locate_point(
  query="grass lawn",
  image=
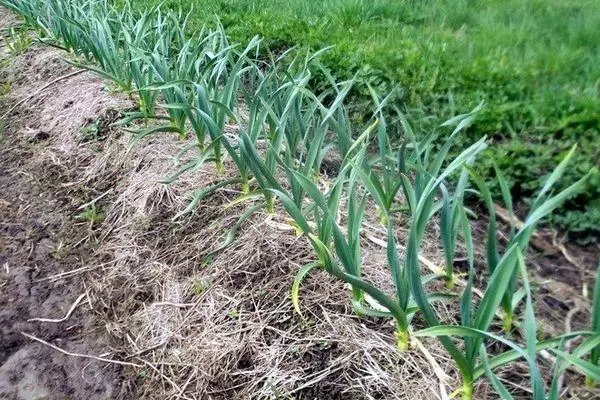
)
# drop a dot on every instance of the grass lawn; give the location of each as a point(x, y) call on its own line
point(536, 64)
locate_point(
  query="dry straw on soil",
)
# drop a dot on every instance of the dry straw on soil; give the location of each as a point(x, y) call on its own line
point(223, 325)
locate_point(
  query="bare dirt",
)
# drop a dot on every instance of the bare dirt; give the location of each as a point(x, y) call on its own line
point(84, 221)
point(42, 235)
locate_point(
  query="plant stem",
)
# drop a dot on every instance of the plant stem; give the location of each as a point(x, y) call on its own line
point(383, 218)
point(357, 301)
point(245, 187)
point(357, 295)
point(450, 280)
point(270, 204)
point(467, 389)
point(507, 322)
point(219, 166)
point(402, 339)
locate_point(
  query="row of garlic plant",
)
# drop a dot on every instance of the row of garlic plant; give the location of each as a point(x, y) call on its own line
point(198, 83)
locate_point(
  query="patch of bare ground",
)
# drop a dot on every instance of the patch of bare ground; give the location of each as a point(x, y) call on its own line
point(86, 225)
point(41, 235)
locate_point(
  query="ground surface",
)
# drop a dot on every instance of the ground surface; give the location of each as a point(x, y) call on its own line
point(536, 64)
point(41, 238)
point(37, 226)
point(84, 222)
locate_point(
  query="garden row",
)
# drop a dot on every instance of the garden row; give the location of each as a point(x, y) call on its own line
point(197, 86)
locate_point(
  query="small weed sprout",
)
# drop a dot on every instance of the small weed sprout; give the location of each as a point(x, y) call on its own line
point(92, 215)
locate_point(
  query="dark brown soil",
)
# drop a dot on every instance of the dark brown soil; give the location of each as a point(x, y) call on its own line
point(41, 236)
point(562, 274)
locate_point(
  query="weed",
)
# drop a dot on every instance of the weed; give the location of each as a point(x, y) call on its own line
point(92, 215)
point(89, 132)
point(17, 40)
point(199, 286)
point(5, 88)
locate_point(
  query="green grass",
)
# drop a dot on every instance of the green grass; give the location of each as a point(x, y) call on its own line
point(536, 64)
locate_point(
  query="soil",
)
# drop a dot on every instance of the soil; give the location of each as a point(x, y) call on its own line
point(562, 273)
point(40, 237)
